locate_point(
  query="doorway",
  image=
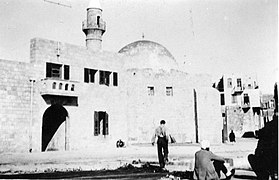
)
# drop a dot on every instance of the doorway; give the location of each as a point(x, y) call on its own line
point(54, 128)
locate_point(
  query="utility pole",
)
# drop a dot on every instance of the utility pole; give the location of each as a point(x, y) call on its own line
point(192, 23)
point(196, 116)
point(58, 3)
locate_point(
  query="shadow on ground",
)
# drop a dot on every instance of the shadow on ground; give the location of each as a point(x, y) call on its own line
point(128, 171)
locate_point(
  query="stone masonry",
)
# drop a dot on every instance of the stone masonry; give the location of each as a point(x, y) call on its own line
point(71, 98)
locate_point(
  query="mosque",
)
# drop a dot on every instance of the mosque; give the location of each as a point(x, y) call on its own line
point(72, 97)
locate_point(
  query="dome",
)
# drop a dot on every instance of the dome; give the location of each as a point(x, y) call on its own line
point(148, 54)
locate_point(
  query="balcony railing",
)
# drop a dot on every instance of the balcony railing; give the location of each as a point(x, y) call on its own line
point(236, 90)
point(101, 25)
point(245, 105)
point(58, 87)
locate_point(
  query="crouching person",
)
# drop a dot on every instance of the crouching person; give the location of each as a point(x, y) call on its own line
point(209, 165)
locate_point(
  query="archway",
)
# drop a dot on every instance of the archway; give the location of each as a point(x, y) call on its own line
point(53, 117)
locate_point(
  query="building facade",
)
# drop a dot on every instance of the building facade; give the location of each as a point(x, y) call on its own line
point(240, 98)
point(71, 97)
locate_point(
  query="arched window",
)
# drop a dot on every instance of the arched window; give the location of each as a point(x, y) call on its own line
point(66, 86)
point(98, 21)
point(54, 85)
point(73, 87)
point(60, 85)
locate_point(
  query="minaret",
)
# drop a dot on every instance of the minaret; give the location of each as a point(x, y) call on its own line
point(94, 26)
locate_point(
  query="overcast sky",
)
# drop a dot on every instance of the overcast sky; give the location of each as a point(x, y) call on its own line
point(205, 36)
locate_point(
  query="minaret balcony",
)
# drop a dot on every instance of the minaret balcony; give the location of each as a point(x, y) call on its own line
point(51, 86)
point(100, 26)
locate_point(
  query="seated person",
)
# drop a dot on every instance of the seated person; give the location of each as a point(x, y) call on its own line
point(205, 168)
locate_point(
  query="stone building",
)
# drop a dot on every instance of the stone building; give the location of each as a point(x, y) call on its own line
point(268, 107)
point(70, 97)
point(240, 98)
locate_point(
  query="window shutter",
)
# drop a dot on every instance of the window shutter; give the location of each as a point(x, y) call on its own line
point(115, 79)
point(66, 72)
point(96, 124)
point(106, 124)
point(107, 78)
point(102, 77)
point(48, 70)
point(92, 75)
point(86, 75)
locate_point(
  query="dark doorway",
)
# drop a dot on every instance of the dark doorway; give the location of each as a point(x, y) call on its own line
point(53, 117)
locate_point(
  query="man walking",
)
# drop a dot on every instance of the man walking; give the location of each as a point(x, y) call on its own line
point(162, 143)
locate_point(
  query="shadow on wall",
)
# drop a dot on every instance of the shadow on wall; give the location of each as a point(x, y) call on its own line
point(53, 117)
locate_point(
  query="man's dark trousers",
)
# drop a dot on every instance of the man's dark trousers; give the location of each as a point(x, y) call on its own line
point(219, 166)
point(162, 146)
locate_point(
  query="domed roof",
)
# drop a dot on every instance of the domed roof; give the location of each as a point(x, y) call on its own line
point(148, 54)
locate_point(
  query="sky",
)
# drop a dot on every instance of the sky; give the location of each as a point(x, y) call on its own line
point(205, 36)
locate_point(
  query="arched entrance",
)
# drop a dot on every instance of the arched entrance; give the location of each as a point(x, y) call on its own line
point(54, 128)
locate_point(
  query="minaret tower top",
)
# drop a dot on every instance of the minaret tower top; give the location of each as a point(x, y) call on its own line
point(94, 26)
point(94, 4)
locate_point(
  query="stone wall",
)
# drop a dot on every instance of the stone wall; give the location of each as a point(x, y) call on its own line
point(91, 96)
point(14, 106)
point(145, 112)
point(241, 120)
point(209, 115)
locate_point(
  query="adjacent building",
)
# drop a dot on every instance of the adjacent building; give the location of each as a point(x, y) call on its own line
point(268, 107)
point(240, 98)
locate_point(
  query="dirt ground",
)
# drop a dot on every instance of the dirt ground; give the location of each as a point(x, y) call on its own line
point(146, 171)
point(133, 162)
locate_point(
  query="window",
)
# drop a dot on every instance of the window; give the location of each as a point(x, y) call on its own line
point(89, 75)
point(54, 85)
point(60, 85)
point(66, 72)
point(271, 103)
point(169, 91)
point(234, 99)
point(104, 77)
point(246, 99)
point(229, 82)
point(100, 123)
point(72, 87)
point(222, 98)
point(98, 21)
point(53, 70)
point(66, 87)
point(56, 71)
point(150, 91)
point(238, 82)
point(115, 79)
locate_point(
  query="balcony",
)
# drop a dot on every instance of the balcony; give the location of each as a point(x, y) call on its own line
point(237, 90)
point(58, 87)
point(100, 26)
point(245, 105)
